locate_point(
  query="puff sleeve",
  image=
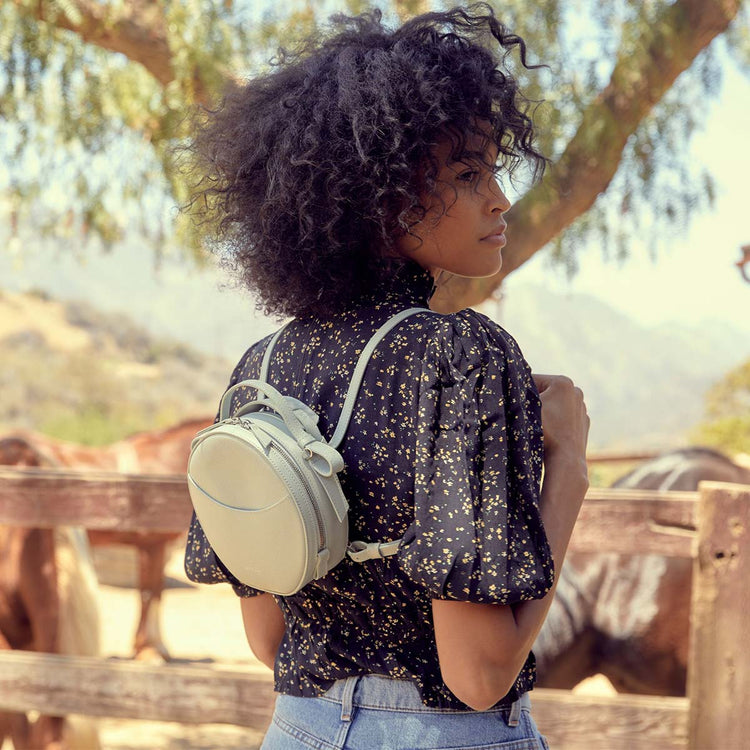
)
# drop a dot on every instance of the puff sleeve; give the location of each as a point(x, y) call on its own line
point(477, 533)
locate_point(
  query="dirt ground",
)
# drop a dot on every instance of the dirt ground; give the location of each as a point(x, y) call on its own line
point(198, 623)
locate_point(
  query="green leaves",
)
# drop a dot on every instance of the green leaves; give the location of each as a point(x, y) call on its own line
point(69, 102)
point(727, 424)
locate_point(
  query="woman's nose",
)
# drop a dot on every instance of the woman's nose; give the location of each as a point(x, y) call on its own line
point(499, 201)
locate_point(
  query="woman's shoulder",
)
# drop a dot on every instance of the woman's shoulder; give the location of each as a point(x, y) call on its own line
point(472, 337)
point(249, 363)
point(460, 341)
point(475, 324)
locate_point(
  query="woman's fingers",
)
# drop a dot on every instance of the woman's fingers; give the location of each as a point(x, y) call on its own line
point(565, 420)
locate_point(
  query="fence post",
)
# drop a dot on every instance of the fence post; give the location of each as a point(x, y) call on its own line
point(719, 666)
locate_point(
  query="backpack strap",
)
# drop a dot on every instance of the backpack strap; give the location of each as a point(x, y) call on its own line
point(359, 371)
point(361, 551)
point(267, 353)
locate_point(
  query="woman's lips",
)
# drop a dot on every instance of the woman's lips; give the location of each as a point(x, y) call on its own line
point(498, 236)
point(495, 238)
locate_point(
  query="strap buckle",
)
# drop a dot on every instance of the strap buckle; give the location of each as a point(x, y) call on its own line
point(361, 551)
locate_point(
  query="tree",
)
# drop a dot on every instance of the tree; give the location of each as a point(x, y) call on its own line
point(86, 80)
point(727, 424)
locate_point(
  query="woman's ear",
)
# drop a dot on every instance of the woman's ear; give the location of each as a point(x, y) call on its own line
point(406, 237)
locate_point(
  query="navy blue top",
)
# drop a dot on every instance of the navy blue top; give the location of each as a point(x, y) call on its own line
point(444, 449)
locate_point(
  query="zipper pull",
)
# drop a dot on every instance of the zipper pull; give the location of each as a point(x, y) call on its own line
point(321, 566)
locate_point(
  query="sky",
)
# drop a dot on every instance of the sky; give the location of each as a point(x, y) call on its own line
point(694, 278)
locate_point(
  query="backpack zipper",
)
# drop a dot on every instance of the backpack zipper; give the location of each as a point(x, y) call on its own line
point(293, 466)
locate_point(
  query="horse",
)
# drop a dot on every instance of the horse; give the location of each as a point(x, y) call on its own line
point(627, 616)
point(48, 603)
point(162, 451)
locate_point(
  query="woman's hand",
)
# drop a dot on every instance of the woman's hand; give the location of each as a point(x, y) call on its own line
point(565, 421)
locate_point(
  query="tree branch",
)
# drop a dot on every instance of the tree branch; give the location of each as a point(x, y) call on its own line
point(136, 29)
point(744, 261)
point(591, 158)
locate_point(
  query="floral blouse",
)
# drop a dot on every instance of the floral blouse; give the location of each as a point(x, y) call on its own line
point(444, 449)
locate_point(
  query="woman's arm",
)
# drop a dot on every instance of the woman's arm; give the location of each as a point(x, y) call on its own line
point(482, 647)
point(264, 626)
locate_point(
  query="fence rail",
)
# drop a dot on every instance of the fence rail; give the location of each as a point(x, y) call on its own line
point(600, 457)
point(712, 526)
point(116, 689)
point(133, 690)
point(94, 499)
point(646, 522)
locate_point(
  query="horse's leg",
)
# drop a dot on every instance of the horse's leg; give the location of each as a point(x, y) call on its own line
point(40, 596)
point(148, 639)
point(38, 588)
point(47, 734)
point(13, 724)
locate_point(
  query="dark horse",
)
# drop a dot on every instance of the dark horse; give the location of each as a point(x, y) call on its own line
point(627, 616)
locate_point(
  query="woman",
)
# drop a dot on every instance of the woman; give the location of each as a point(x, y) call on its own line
point(349, 182)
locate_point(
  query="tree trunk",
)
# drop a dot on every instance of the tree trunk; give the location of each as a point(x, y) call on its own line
point(136, 29)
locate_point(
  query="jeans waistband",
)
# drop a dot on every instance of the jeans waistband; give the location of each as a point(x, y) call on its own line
point(376, 691)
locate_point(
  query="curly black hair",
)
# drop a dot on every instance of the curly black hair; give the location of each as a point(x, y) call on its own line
point(311, 172)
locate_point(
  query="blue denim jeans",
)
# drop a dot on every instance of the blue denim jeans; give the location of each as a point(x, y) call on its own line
point(379, 713)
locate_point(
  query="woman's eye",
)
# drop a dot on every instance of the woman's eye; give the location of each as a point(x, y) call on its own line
point(468, 176)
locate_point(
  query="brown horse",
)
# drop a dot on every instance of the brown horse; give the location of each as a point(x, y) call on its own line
point(48, 603)
point(627, 616)
point(156, 452)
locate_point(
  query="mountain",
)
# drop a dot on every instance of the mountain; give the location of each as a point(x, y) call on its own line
point(83, 375)
point(644, 386)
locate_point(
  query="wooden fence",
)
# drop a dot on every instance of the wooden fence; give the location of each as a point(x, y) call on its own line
point(612, 457)
point(712, 526)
